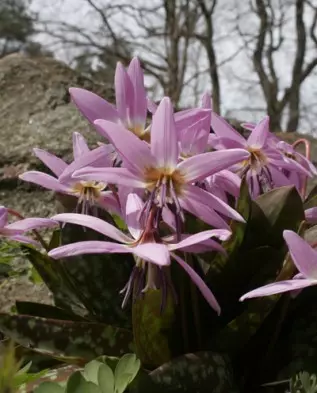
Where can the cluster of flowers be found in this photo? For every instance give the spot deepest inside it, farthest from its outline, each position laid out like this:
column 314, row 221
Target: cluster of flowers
column 154, row 172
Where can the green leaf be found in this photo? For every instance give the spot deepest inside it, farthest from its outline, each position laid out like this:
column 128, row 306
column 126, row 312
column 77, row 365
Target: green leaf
column 46, row 311
column 91, row 371
column 73, row 341
column 283, row 208
column 78, row 384
column 126, row 370
column 105, row 379
column 150, row 327
column 49, row 387
column 195, row 372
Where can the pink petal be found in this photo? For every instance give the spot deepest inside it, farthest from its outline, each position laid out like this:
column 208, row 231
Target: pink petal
column 135, row 152
column 199, row 167
column 134, row 206
column 205, row 246
column 228, row 181
column 94, row 223
column 310, row 215
column 303, row 255
column 223, row 129
column 25, row 239
column 124, row 94
column 44, row 180
column 110, row 175
column 55, row 164
column 278, row 177
column 92, row 106
column 151, row 106
column 198, row 281
column 164, row 142
column 28, row 224
column 203, row 212
column 3, row 216
column 259, row 134
column 206, row 101
column 80, row 146
column 140, row 104
column 188, row 117
column 94, row 158
column 279, row 287
column 153, row 252
column 222, row 234
column 88, row 247
column 109, row 202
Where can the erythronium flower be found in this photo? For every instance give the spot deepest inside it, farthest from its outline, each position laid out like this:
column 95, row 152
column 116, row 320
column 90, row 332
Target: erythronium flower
column 305, row 259
column 144, row 243
column 157, row 169
column 311, row 215
column 263, row 167
column 223, row 183
column 15, row 231
column 89, row 193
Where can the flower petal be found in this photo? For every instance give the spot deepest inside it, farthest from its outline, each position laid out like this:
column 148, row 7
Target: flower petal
column 55, row 164
column 151, row 106
column 93, row 223
column 225, row 130
column 279, row 287
column 88, row 247
column 199, row 167
column 164, row 142
column 303, row 255
column 134, row 206
column 44, row 180
column 3, row 216
column 28, row 224
column 109, row 202
column 310, row 215
column 25, row 239
column 153, row 252
column 135, row 152
column 124, row 94
column 140, row 103
column 110, row 175
column 188, row 117
column 259, row 134
column 92, row 106
column 221, row 234
column 80, row 146
column 199, row 282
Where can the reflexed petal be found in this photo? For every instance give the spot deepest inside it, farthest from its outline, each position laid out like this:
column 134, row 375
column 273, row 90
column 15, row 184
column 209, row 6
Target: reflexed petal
column 151, row 106
column 124, row 94
column 92, row 106
column 3, row 216
column 140, row 104
column 164, row 142
column 199, row 282
column 199, row 167
column 311, row 215
column 25, row 239
column 110, row 175
column 278, row 177
column 134, row 206
column 88, row 247
column 188, row 117
column 228, row 181
column 279, row 287
column 206, row 101
column 55, row 164
column 44, row 180
column 205, row 246
column 303, row 255
column 135, row 152
column 259, row 134
column 28, row 224
column 221, row 234
column 93, row 223
column 80, row 146
column 94, row 158
column 153, row 252
column 109, row 202
column 225, row 130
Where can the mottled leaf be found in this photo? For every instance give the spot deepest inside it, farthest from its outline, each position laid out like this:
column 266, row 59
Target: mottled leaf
column 46, row 311
column 75, row 342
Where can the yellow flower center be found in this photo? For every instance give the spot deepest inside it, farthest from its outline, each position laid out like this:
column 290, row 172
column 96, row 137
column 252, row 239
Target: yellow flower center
column 88, row 191
column 172, row 181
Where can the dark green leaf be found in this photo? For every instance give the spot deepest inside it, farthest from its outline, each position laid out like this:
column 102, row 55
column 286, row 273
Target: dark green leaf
column 46, row 311
column 78, row 384
column 49, row 387
column 75, row 342
column 105, row 379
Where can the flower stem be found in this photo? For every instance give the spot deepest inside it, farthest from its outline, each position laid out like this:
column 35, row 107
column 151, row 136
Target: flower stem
column 307, row 155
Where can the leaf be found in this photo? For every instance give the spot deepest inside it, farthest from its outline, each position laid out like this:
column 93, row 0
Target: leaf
column 283, row 208
column 49, row 387
column 126, row 370
column 46, row 311
column 150, row 324
column 98, row 278
column 105, row 379
column 91, row 371
column 76, row 342
column 195, row 372
column 78, row 384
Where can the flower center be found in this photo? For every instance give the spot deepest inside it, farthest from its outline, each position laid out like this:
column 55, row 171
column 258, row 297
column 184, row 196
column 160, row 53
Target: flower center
column 139, row 131
column 88, row 193
column 257, row 158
